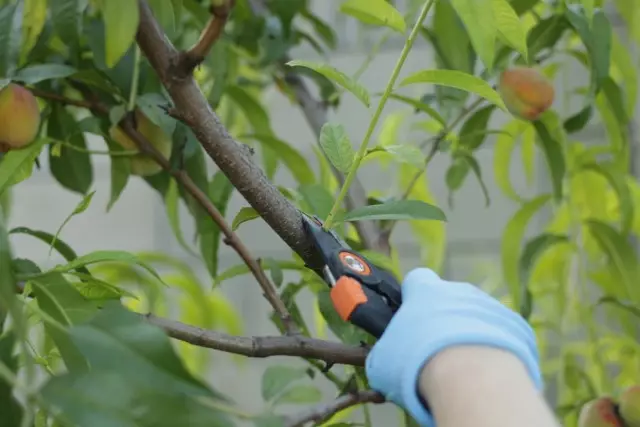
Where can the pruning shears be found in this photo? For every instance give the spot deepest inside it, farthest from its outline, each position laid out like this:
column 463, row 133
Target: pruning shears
column 362, row 293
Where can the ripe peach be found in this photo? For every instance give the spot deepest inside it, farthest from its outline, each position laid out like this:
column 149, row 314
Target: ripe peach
column 141, row 164
column 630, row 406
column 19, row 117
column 525, row 92
column 600, row 412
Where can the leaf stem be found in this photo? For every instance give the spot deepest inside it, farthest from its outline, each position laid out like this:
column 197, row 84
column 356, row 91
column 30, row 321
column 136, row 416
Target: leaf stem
column 124, row 153
column 134, row 80
column 376, row 116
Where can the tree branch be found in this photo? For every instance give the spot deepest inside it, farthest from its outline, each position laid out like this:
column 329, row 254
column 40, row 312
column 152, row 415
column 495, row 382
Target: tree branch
column 211, row 33
column 315, row 112
column 324, row 411
column 260, row 347
column 231, row 238
column 228, row 154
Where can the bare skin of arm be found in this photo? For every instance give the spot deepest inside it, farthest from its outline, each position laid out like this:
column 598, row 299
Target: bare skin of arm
column 471, row 386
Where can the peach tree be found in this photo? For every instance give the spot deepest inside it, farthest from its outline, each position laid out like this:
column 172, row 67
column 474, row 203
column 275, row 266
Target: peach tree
column 174, row 90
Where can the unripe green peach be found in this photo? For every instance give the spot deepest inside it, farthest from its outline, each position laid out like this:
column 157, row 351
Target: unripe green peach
column 630, row 406
column 19, row 117
column 141, row 164
column 600, row 412
column 526, row 92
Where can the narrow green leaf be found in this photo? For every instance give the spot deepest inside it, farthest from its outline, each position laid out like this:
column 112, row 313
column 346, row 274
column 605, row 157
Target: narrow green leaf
column 10, row 408
column 95, row 289
column 10, row 32
column 120, row 173
column 475, row 168
column 17, row 165
column 622, row 257
column 38, row 73
column 533, row 249
column 420, row 106
column 292, row 159
column 510, row 247
column 402, row 153
column 523, row 6
column 66, row 18
column 338, row 77
column 80, row 207
column 172, row 206
column 63, row 248
column 479, row 20
column 244, row 214
column 459, row 80
column 601, row 48
column 510, row 28
column 546, row 34
column 551, row 139
column 105, row 256
column 505, row 144
column 275, row 271
column 396, row 210
column 579, row 120
column 121, row 19
column 277, row 378
column 635, row 311
column 375, row 12
column 7, row 278
column 473, row 131
column 622, row 59
column 33, row 21
column 336, row 144
column 456, row 173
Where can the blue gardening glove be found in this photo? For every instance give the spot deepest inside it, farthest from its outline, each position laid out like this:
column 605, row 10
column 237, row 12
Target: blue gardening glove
column 436, row 314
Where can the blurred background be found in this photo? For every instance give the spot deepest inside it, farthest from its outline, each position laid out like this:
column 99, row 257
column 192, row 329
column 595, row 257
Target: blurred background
column 138, row 221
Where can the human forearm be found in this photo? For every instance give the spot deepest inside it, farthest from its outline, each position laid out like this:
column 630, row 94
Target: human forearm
column 482, row 387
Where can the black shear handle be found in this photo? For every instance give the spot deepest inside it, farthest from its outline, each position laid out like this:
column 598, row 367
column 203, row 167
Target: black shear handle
column 361, row 306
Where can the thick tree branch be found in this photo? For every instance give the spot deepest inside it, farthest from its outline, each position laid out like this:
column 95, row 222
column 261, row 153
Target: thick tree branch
column 323, row 412
column 228, row 154
column 211, row 33
column 260, row 347
column 183, row 178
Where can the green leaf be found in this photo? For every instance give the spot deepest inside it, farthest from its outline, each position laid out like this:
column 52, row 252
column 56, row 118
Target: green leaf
column 63, row 303
column 510, row 28
column 616, row 180
column 121, row 19
column 375, row 12
column 120, row 173
column 546, row 33
column 479, row 20
column 629, row 308
column 505, row 144
column 338, row 77
column 579, row 120
column 172, row 205
column 510, row 246
column 98, row 290
column 72, row 168
column 63, row 248
column 622, row 257
column 10, row 408
column 601, row 48
column 151, row 105
column 299, row 394
column 523, row 6
column 459, row 80
column 7, row 278
column 551, row 138
column 269, row 421
column 336, row 144
column 33, row 22
column 275, row 271
column 402, row 153
column 319, row 199
column 38, row 73
column 533, row 249
column 621, row 58
column 10, row 32
column 292, row 159
column 105, row 256
column 66, row 18
column 456, row 173
column 277, row 378
column 420, row 106
column 17, row 165
column 244, row 214
column 80, row 207
column 396, row 210
column 473, row 131
column 475, row 168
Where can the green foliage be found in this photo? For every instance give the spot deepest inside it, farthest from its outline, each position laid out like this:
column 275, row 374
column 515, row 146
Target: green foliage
column 80, row 325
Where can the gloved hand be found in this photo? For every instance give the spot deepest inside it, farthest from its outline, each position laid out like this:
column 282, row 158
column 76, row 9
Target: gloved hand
column 436, row 314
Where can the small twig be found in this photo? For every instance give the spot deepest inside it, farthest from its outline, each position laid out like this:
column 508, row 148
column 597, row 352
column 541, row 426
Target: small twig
column 231, row 238
column 260, row 347
column 211, row 33
column 92, row 106
column 323, row 412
